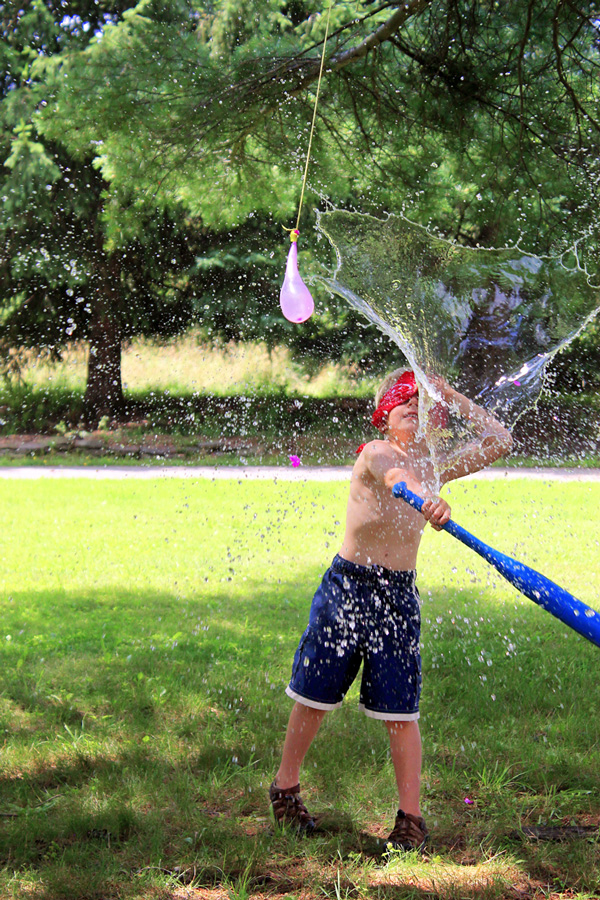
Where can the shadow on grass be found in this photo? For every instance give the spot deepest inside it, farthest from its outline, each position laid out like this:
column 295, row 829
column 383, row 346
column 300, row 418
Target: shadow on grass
column 141, row 731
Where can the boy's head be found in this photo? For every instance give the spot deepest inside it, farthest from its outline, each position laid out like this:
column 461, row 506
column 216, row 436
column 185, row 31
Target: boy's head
column 395, row 389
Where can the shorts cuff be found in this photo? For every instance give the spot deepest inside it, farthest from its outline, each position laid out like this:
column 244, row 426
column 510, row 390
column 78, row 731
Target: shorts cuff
column 314, row 704
column 389, row 716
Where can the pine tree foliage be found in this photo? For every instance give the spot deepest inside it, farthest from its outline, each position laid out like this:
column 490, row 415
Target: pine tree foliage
column 152, row 151
column 493, row 105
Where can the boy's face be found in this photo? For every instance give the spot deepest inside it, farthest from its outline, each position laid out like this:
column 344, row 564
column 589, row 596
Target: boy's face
column 403, row 420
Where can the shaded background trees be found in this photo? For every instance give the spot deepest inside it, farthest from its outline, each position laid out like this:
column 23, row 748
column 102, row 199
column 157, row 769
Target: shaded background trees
column 153, row 152
column 61, row 279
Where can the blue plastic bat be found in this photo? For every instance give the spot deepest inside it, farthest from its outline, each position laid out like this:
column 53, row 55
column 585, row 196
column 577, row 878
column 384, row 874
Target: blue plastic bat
column 537, row 587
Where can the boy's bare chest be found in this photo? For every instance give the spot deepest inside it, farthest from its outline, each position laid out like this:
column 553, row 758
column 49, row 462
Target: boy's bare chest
column 380, row 510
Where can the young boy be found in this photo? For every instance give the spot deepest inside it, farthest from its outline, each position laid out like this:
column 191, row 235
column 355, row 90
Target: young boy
column 367, row 605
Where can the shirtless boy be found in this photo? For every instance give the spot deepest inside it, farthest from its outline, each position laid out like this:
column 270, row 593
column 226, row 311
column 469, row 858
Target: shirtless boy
column 367, row 605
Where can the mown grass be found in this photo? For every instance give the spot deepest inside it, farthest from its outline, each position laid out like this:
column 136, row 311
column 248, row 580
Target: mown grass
column 147, row 635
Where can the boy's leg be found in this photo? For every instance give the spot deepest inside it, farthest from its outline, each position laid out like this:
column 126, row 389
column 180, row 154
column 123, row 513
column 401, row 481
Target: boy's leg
column 302, row 727
column 405, row 745
column 410, row 830
column 286, row 802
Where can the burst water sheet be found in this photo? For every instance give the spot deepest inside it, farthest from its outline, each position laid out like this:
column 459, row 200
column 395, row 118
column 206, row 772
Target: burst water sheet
column 489, row 321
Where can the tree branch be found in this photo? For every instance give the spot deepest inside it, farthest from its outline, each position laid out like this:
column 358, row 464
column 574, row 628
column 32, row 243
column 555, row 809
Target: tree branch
column 579, row 107
column 520, row 73
column 384, row 33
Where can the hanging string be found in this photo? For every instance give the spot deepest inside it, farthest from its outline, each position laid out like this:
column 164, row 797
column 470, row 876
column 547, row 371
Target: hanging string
column 314, row 118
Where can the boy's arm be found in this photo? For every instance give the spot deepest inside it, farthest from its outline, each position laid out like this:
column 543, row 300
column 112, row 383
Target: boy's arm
column 382, row 464
column 494, row 439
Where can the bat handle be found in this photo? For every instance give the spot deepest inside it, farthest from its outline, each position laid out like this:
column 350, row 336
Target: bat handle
column 401, row 491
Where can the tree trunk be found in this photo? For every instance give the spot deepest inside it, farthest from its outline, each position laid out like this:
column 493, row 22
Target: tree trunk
column 104, row 390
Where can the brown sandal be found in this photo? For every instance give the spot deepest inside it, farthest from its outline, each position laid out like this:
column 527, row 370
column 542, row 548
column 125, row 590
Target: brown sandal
column 409, row 832
column 288, row 809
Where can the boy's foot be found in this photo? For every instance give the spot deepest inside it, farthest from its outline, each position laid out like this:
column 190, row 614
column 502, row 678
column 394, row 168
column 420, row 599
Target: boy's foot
column 409, row 832
column 288, row 808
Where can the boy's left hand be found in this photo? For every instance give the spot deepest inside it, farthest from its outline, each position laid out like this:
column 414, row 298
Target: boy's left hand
column 436, row 511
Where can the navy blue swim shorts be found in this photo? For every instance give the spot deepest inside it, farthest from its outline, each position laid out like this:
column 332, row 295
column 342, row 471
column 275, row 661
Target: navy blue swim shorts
column 362, row 614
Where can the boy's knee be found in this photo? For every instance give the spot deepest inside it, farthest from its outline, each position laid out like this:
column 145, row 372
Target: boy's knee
column 396, row 727
column 393, row 727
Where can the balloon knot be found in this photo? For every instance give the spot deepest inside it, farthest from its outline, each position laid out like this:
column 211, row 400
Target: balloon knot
column 294, row 233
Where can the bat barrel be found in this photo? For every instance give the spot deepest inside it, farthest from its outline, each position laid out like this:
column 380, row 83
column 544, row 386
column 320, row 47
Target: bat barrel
column 550, row 596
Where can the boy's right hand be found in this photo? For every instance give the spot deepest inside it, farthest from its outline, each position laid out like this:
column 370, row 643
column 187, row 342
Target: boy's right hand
column 436, row 511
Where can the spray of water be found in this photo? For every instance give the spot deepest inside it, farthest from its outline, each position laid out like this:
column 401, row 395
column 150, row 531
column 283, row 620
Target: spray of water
column 489, row 321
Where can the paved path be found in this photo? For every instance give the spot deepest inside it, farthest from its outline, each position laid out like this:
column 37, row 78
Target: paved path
column 268, row 473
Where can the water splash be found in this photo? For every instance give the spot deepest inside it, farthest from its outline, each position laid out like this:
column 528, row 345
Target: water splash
column 489, row 321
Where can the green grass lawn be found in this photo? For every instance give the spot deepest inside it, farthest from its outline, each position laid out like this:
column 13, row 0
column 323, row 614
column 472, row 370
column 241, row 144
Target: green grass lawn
column 147, row 635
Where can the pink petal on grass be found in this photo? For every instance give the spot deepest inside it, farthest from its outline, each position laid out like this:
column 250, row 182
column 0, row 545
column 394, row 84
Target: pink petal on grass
column 295, row 461
column 468, row 802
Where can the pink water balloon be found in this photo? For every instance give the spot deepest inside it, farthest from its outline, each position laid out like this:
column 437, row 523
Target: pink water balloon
column 296, row 302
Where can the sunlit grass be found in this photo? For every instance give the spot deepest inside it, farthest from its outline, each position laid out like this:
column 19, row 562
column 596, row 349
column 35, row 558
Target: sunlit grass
column 185, row 364
column 147, row 635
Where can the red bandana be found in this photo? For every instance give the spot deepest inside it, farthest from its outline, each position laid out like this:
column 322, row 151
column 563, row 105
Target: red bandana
column 400, row 392
column 403, row 390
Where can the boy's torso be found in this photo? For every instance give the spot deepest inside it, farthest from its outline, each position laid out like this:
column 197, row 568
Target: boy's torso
column 381, row 530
